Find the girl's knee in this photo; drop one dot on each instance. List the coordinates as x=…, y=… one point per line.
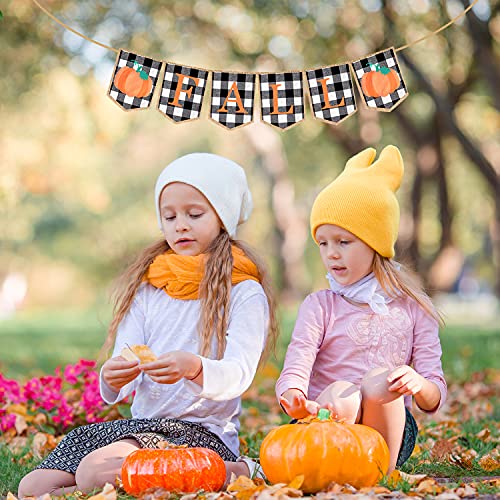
x=29, y=486
x=41, y=481
x=375, y=388
x=88, y=474
x=344, y=397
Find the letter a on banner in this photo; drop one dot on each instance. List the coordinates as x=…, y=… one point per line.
x=282, y=99
x=380, y=81
x=332, y=93
x=134, y=80
x=182, y=92
x=233, y=97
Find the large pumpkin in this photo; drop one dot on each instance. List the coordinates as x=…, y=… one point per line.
x=324, y=451
x=133, y=81
x=379, y=82
x=179, y=469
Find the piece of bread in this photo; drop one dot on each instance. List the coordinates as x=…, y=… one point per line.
x=138, y=351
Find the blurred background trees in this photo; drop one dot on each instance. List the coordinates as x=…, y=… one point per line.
x=77, y=173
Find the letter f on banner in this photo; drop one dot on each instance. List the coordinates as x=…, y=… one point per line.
x=182, y=92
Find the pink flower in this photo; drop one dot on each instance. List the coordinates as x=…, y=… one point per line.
x=7, y=422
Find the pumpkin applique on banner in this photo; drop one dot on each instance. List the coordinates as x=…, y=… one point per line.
x=282, y=99
x=232, y=99
x=134, y=80
x=182, y=92
x=380, y=81
x=332, y=93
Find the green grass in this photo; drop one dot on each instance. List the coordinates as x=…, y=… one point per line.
x=467, y=439
x=13, y=466
x=39, y=342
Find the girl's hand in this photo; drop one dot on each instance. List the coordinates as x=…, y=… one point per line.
x=296, y=405
x=405, y=380
x=118, y=372
x=170, y=367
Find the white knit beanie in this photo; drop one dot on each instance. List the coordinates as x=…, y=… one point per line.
x=223, y=182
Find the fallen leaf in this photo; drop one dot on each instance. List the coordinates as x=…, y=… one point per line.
x=107, y=493
x=296, y=482
x=10, y=496
x=412, y=478
x=465, y=490
x=244, y=488
x=429, y=487
x=442, y=449
x=20, y=424
x=484, y=434
x=490, y=461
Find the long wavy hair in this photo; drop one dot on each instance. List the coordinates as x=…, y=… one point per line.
x=215, y=293
x=396, y=279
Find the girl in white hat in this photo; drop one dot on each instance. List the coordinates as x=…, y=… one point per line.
x=202, y=302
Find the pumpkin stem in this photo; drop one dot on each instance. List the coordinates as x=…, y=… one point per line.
x=323, y=414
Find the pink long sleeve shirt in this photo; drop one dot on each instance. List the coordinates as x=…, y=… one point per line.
x=336, y=340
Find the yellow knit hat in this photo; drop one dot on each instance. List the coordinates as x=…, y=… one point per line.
x=362, y=199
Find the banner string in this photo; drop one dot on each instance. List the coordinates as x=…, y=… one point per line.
x=403, y=47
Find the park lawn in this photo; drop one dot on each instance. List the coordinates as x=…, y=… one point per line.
x=38, y=343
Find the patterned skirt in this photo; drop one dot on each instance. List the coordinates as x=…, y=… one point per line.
x=148, y=432
x=409, y=439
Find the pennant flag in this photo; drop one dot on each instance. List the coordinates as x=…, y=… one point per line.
x=232, y=98
x=380, y=81
x=282, y=99
x=134, y=80
x=182, y=92
x=332, y=93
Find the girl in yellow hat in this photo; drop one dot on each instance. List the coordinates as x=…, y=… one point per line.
x=369, y=344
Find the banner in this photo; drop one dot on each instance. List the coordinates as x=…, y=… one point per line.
x=232, y=98
x=380, y=80
x=182, y=92
x=332, y=93
x=282, y=100
x=134, y=80
x=331, y=90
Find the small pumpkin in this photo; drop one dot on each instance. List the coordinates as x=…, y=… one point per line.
x=178, y=469
x=133, y=81
x=324, y=451
x=379, y=82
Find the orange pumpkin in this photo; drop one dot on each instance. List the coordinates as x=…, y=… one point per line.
x=176, y=469
x=380, y=82
x=133, y=82
x=324, y=451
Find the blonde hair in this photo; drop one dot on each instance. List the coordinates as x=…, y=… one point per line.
x=396, y=279
x=215, y=293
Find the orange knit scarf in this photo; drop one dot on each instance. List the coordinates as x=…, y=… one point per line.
x=180, y=275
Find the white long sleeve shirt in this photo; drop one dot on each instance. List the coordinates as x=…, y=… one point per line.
x=166, y=324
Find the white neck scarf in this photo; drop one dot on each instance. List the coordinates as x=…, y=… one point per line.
x=367, y=291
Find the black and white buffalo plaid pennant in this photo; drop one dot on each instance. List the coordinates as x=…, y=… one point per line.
x=182, y=92
x=134, y=80
x=233, y=97
x=380, y=80
x=282, y=99
x=332, y=93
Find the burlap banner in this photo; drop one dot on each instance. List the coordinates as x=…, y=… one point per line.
x=134, y=80
x=378, y=78
x=182, y=92
x=331, y=90
x=232, y=101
